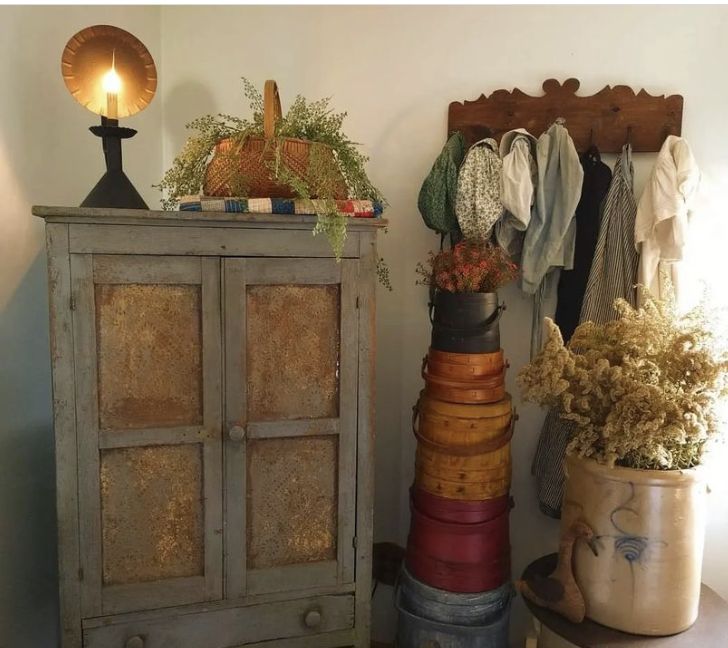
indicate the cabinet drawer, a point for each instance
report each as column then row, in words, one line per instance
column 229, row 627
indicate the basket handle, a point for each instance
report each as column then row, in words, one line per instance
column 272, row 112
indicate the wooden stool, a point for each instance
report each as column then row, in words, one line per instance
column 709, row 631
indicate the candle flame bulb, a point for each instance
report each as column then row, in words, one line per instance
column 111, row 83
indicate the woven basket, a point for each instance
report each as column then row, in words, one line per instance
column 250, row 161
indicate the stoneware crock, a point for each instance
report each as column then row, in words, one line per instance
column 650, row 528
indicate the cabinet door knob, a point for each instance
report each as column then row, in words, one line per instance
column 135, row 642
column 236, row 433
column 312, row 619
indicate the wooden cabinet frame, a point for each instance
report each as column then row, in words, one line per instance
column 87, row 271
column 239, row 273
column 214, row 250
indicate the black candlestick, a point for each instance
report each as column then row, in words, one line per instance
column 114, row 189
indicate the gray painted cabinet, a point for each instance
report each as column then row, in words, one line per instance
column 212, row 387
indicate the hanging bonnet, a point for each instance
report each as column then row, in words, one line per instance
column 436, row 201
column 478, row 205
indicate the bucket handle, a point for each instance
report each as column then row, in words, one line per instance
column 477, row 448
column 486, row 379
column 426, row 365
column 493, row 318
column 465, row 419
column 496, row 315
column 415, row 415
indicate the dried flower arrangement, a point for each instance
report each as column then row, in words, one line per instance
column 643, row 390
column 314, row 121
column 469, row 266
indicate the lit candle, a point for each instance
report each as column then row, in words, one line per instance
column 111, row 84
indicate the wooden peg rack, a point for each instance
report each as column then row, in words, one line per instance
column 607, row 119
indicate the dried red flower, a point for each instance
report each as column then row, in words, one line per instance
column 470, row 266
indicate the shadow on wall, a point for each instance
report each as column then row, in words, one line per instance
column 183, row 103
column 28, row 572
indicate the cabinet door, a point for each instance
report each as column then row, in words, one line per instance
column 291, row 411
column 148, row 378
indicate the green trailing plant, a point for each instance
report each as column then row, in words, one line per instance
column 383, row 274
column 314, row 121
column 643, row 391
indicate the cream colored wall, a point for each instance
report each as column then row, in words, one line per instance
column 395, row 69
column 47, row 156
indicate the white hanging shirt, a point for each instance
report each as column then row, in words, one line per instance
column 517, row 148
column 663, row 216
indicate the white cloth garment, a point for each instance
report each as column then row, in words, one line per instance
column 518, row 181
column 663, row 216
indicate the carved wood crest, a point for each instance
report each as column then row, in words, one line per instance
column 607, row 119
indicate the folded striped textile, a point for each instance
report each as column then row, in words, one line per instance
column 353, row 208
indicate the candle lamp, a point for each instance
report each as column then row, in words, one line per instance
column 111, row 73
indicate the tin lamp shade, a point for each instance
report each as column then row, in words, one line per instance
column 111, row 73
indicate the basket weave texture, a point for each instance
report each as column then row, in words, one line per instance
column 253, row 158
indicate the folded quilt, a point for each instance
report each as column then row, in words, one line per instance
column 353, row 208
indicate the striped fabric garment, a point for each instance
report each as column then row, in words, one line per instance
column 613, row 274
column 353, row 208
column 614, row 268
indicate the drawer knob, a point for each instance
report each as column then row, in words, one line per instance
column 312, row 619
column 135, row 642
column 236, row 433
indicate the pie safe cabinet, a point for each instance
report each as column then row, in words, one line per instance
column 213, row 403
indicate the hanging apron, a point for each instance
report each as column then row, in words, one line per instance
column 572, row 283
column 613, row 274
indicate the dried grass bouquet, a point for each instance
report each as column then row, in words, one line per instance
column 469, row 266
column 643, row 390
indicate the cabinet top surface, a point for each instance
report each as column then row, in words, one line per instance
column 179, row 218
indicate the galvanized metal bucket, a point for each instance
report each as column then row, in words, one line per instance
column 414, row 630
column 478, row 609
